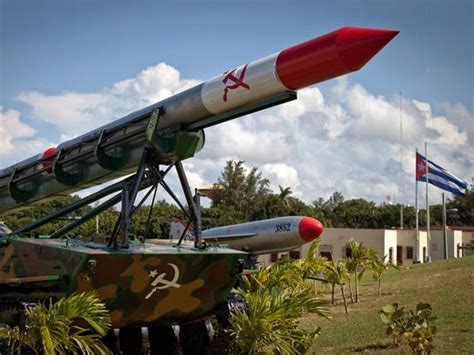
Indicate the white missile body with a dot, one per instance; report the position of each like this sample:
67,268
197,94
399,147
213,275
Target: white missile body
259,237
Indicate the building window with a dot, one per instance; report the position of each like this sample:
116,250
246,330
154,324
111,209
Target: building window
294,254
326,254
273,257
390,255
409,252
348,253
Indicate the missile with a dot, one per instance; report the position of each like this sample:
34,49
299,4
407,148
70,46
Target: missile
173,127
260,237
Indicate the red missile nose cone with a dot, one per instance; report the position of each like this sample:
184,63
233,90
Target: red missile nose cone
357,46
326,57
310,229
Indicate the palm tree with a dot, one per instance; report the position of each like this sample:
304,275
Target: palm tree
74,324
313,265
356,263
378,265
336,272
285,195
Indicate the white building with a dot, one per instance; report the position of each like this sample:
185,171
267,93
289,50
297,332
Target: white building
334,240
399,245
454,239
406,246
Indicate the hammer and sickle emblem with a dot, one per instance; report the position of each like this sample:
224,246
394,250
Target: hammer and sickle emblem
164,283
237,81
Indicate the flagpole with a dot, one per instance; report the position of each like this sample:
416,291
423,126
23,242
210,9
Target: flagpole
427,206
401,164
445,228
417,242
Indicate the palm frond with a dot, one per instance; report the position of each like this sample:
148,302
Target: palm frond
55,329
275,298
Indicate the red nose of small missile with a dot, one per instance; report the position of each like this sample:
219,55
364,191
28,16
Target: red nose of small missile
48,163
326,57
310,229
48,152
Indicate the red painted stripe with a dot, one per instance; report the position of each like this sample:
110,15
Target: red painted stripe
331,55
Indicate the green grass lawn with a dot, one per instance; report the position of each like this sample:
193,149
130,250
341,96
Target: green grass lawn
447,285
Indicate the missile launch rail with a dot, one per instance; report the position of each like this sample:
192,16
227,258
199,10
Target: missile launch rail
111,147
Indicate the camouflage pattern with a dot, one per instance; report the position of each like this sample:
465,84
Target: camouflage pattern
139,285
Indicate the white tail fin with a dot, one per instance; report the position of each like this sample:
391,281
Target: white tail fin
177,228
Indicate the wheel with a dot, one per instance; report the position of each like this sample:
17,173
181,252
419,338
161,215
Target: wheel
163,340
194,339
110,341
130,341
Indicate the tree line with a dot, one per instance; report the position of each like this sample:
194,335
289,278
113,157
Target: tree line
245,196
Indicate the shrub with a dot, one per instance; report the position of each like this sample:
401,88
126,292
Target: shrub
275,298
74,324
412,326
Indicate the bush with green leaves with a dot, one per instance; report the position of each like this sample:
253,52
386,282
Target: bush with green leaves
72,325
413,326
275,298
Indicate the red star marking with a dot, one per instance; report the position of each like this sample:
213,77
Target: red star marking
237,82
420,167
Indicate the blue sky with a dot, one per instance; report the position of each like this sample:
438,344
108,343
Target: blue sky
52,47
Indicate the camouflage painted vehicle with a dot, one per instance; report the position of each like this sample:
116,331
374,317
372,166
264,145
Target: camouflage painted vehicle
143,285
140,285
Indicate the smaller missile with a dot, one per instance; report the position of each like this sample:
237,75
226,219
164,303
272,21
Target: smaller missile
260,237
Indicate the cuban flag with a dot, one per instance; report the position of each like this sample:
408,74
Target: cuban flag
439,177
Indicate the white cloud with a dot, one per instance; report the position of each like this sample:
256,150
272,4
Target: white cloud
72,113
194,175
444,131
247,140
281,174
448,133
11,128
344,138
76,113
18,139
